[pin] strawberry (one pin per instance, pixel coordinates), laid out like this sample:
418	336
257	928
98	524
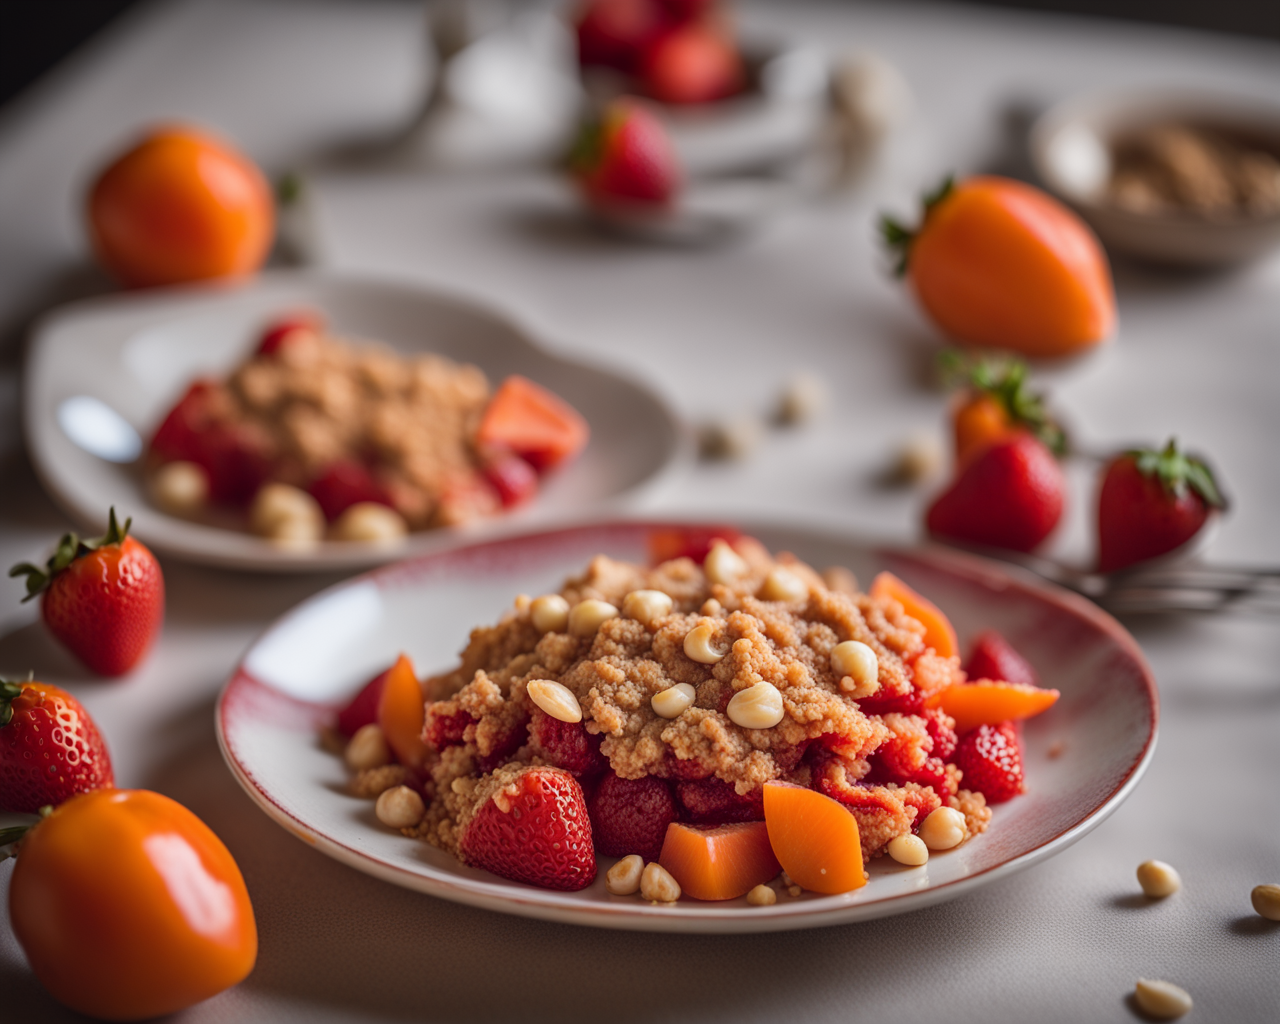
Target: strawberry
625	157
533	829
1150	503
515	480
50	749
696	63
343	484
941	729
103	598
276	335
991	758
631	815
1010	496
613	33
713	801
194	431
566	745
363	708
993	657
668	542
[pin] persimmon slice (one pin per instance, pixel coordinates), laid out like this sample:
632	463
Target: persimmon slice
529	420
814	838
938	631
720	863
402	713
990	702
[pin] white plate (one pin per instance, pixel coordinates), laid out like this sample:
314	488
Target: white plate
137	353
306	666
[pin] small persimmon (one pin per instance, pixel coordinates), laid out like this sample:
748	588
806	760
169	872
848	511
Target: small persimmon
998	263
938	631
178	206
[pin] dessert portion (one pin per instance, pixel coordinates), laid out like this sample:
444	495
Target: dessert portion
722	715
314	434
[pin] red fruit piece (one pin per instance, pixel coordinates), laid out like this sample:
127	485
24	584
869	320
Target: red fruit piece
1150	503
713	801
540	427
668	542
696	63
275	335
533	828
50	749
566	745
939	726
363	709
513	478
613	33
993	657
102	598
631	816
344	484
991	758
1009	496
626	157
231	455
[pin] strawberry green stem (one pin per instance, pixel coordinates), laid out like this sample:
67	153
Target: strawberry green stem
16	833
898	238
69	548
1177	472
1005	380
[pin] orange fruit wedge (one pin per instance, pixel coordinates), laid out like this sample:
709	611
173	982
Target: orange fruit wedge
938	631
720	863
990	702
402	711
814	838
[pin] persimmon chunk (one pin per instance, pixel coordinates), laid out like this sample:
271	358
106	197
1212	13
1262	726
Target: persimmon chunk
990	702
529	420
938	631
720	863
814	837
402	713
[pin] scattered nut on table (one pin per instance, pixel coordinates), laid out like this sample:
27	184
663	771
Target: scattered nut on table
1161	999
1266	901
1158	879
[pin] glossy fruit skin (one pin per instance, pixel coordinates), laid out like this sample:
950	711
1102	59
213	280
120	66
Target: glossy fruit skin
180	206
547	843
50	751
1010	496
692	64
1139	519
107	606
991	758
129	907
1001	264
993	657
613	33
627	158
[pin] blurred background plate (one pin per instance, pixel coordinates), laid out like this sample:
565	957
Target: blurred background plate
135	354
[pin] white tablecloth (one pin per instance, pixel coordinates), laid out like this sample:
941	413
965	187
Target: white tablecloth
715	332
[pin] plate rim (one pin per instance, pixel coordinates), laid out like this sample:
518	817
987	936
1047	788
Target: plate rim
510	898
162	304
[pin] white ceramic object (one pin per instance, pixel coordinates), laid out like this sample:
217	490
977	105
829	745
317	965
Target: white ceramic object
309	663
1071	151
136	353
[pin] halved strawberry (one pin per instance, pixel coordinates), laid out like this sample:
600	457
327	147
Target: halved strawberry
566	745
533	829
624	156
363	708
631	815
991	758
993	657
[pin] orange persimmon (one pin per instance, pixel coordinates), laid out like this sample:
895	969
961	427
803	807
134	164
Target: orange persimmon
979	422
129	907
402	713
529	420
814	837
998	263
990	702
938	631
180	205
720	863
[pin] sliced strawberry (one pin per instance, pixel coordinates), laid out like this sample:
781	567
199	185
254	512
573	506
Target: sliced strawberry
363	708
232	456
631	815
1010	496
533	829
938	725
566	745
343	484
696	63
445	724
993	657
513	478
713	801
626	157
177	437
991	758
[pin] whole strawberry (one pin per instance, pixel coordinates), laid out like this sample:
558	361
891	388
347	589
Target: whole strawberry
631	815
50	749
624	157
533	828
103	598
1010	496
1150	503
990	757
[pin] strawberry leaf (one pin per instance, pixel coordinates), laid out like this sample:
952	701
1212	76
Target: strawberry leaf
1005	380
69	548
1178	471
898	238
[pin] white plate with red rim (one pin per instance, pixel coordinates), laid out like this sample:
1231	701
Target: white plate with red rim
119	363
1083	757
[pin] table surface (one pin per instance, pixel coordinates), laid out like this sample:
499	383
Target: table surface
714	331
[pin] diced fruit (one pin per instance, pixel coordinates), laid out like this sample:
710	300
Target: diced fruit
1152	502
697	63
631	816
991	758
814	837
938	631
668	542
613	33
566	745
1010	496
231	456
401	713
529	420
720	863
714	801
941	730
993	657
515	480
344	484
988	702
445	730
363	708
535	830
274	336
625	157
